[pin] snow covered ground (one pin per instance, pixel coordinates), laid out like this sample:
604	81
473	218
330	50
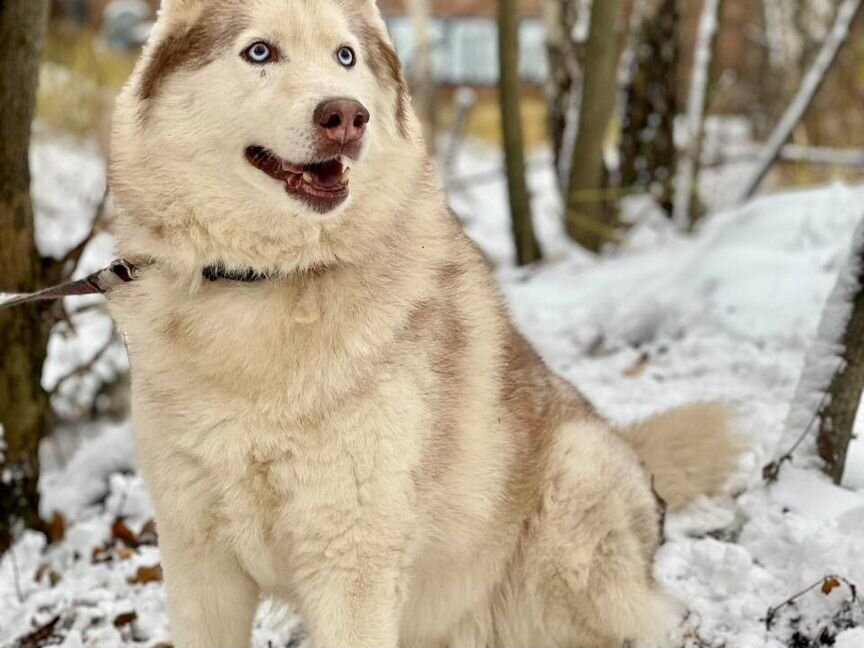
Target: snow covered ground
726	314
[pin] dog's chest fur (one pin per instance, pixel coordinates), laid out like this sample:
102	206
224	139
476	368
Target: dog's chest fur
277	435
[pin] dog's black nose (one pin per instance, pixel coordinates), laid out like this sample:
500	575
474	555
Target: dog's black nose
342	120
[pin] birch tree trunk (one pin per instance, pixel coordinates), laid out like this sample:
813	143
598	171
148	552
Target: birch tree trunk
813	80
588	221
563	85
688	168
23	331
527	248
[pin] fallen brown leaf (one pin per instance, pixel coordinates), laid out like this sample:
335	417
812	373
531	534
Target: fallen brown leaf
125	619
101	555
638	367
46	569
122	533
148	535
829	585
44	635
146	575
56	527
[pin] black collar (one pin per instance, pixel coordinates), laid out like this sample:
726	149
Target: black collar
221	273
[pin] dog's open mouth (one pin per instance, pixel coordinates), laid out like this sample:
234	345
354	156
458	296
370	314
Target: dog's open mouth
322	185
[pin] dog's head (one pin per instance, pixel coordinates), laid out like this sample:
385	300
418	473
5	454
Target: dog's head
262	133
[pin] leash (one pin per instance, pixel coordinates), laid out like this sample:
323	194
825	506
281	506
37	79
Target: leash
118	273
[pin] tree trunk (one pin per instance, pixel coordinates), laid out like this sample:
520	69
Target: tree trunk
588	221
527	248
563	85
685	200
23	331
837	417
650	105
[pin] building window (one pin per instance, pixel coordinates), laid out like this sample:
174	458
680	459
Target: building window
465	50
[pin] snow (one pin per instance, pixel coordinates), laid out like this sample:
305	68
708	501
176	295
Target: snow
728	313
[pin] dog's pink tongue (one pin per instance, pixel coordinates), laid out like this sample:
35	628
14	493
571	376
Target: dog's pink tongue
329	175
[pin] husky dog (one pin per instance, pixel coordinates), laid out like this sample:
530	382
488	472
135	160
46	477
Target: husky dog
331	403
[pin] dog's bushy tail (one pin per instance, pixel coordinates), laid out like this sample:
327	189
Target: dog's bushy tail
690	450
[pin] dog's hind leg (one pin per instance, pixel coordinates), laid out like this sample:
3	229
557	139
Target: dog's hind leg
588	550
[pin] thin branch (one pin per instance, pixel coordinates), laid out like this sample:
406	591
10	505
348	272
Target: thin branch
771	471
16	574
87	366
69	263
812	82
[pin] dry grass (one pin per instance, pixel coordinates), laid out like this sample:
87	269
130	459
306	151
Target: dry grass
78	81
485	120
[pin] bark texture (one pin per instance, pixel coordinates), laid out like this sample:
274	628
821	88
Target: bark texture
648	155
564	81
837	417
23	331
527	248
589	223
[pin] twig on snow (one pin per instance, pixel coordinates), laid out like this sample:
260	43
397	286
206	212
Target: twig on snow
16	574
771	471
826	583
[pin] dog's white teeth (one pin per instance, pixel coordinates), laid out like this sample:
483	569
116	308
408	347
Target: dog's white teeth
345	174
307	177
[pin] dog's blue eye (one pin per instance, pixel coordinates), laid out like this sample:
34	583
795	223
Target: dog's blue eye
259	53
346	57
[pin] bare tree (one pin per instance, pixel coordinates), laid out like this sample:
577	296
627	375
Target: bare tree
688	165
810	86
527	248
23	331
589	223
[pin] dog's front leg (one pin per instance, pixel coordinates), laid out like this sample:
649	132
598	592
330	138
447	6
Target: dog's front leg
350	568
351	608
211	600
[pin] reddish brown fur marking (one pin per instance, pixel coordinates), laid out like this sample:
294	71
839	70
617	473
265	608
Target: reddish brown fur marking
385	65
534	405
440	334
190	47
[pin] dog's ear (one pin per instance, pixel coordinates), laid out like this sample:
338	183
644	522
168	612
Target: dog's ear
180	8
